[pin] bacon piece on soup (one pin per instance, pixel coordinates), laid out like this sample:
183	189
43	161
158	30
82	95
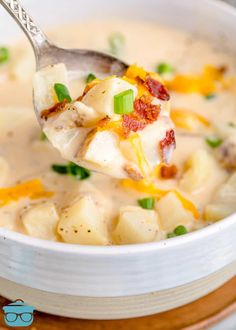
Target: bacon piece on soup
167	145
168	172
157	89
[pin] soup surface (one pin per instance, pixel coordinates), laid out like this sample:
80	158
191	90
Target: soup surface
43	196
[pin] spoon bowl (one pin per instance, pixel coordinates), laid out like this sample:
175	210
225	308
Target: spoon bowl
77	60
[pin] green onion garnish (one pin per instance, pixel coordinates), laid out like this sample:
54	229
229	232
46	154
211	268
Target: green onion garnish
178	231
61	169
4	55
147	203
43	136
170	235
231	124
214	141
62	92
78	172
124	102
90	78
210	96
116	43
164	68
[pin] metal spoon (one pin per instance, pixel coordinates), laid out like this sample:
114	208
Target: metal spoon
46	53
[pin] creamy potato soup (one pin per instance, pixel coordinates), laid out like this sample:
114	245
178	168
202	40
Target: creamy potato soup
46	196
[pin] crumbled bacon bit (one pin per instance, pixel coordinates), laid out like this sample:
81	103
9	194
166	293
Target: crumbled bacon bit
223	69
168	172
167	145
157	89
131	123
54	110
79	99
144	113
145	110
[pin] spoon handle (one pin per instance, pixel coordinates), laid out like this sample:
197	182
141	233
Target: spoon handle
33	32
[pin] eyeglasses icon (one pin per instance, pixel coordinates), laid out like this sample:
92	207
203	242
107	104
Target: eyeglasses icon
18	314
25	317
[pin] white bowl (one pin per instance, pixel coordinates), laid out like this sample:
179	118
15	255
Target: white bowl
122	281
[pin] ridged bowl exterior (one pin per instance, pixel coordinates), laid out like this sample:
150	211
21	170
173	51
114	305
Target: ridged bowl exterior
109	308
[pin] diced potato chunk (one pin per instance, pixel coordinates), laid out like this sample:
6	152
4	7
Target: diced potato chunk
66	141
102	149
227	154
87	115
227	192
199	169
101	96
101	198
152	135
136	225
41	221
4	171
44	80
215	212
83	223
172	212
224	201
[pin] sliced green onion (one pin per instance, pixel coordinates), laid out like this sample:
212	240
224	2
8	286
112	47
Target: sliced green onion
43	136
4	55
124	102
61	169
210	96
62	92
180	230
164	68
90	78
214	141
147	203
80	173
171	235
116	43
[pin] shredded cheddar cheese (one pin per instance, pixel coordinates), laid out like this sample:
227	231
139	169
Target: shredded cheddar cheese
147	187
188	120
205	83
113	125
30	189
144	186
188	205
136	76
142	162
135	71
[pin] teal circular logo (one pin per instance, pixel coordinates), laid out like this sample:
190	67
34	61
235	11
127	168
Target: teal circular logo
18	314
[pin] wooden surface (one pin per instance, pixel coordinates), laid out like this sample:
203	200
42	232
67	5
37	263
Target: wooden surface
198	315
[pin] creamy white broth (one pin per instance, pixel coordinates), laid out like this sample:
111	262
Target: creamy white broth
146	45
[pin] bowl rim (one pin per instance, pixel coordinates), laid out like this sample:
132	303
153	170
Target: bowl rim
117	250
